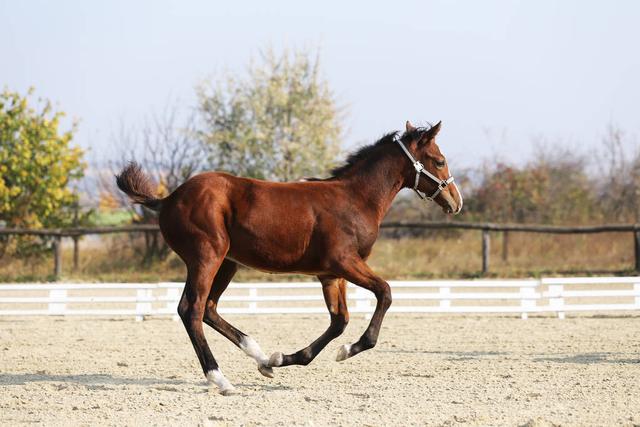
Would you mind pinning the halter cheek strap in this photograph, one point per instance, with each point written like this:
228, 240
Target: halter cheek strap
419, 167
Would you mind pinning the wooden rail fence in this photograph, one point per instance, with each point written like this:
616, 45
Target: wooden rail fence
484, 228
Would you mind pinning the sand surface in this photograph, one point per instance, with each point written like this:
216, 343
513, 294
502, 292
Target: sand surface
426, 370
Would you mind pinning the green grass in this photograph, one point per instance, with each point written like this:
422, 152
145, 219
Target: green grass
111, 218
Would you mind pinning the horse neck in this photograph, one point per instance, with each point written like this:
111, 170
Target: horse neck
378, 182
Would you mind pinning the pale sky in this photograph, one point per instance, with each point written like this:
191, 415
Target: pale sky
499, 74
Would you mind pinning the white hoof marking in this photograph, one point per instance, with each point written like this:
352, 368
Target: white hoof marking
216, 378
253, 350
343, 352
276, 359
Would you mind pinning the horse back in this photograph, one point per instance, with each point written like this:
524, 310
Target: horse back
269, 226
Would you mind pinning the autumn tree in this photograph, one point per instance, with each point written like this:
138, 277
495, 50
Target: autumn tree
278, 122
553, 189
166, 146
38, 165
617, 180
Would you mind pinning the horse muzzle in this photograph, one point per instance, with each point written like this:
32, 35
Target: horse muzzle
452, 205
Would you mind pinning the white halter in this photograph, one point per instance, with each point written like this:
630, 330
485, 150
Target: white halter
419, 167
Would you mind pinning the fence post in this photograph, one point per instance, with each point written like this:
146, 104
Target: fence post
636, 246
363, 303
76, 238
143, 303
505, 246
76, 252
528, 300
556, 301
445, 300
58, 304
173, 298
57, 257
485, 250
253, 305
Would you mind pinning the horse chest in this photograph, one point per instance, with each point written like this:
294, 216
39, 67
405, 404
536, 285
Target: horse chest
366, 244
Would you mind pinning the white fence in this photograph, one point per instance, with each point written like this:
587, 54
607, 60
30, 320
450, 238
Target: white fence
548, 295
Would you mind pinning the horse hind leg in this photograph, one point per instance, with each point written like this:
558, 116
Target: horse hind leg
191, 310
334, 291
212, 318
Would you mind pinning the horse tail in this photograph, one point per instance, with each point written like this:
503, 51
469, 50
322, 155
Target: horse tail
137, 185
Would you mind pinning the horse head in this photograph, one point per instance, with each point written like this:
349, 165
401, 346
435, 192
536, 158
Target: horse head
432, 179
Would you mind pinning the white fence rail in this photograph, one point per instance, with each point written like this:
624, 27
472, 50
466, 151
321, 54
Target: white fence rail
548, 295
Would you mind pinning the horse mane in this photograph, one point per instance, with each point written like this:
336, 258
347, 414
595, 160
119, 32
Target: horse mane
370, 150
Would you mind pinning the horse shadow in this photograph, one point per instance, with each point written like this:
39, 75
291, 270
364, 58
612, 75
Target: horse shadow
108, 382
581, 358
452, 355
88, 380
587, 359
263, 387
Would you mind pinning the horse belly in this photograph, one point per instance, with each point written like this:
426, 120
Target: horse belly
274, 246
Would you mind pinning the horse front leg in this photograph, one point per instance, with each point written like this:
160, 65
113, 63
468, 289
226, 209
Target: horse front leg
334, 291
359, 273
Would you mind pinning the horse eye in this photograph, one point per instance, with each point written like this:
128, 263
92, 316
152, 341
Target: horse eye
440, 164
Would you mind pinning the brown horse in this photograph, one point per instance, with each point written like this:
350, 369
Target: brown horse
326, 228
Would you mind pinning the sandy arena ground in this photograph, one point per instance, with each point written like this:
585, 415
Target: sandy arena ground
426, 370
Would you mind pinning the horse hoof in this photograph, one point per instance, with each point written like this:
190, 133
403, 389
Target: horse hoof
343, 352
216, 379
276, 359
267, 371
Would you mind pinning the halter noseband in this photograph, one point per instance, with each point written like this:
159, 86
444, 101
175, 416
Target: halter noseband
419, 167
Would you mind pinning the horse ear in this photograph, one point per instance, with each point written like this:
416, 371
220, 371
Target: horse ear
432, 132
409, 126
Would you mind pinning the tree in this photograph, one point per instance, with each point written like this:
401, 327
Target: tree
547, 190
166, 146
38, 164
618, 177
280, 122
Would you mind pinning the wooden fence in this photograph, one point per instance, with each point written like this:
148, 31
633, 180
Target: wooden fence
520, 297
484, 228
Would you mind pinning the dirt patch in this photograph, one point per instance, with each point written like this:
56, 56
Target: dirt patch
435, 370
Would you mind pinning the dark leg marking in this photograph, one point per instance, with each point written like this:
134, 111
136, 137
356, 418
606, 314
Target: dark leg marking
211, 317
334, 291
358, 272
191, 310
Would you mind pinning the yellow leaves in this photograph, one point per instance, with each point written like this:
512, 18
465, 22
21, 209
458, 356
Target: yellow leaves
37, 162
57, 194
107, 202
162, 189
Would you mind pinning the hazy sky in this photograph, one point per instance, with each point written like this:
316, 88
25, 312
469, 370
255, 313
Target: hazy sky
499, 74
